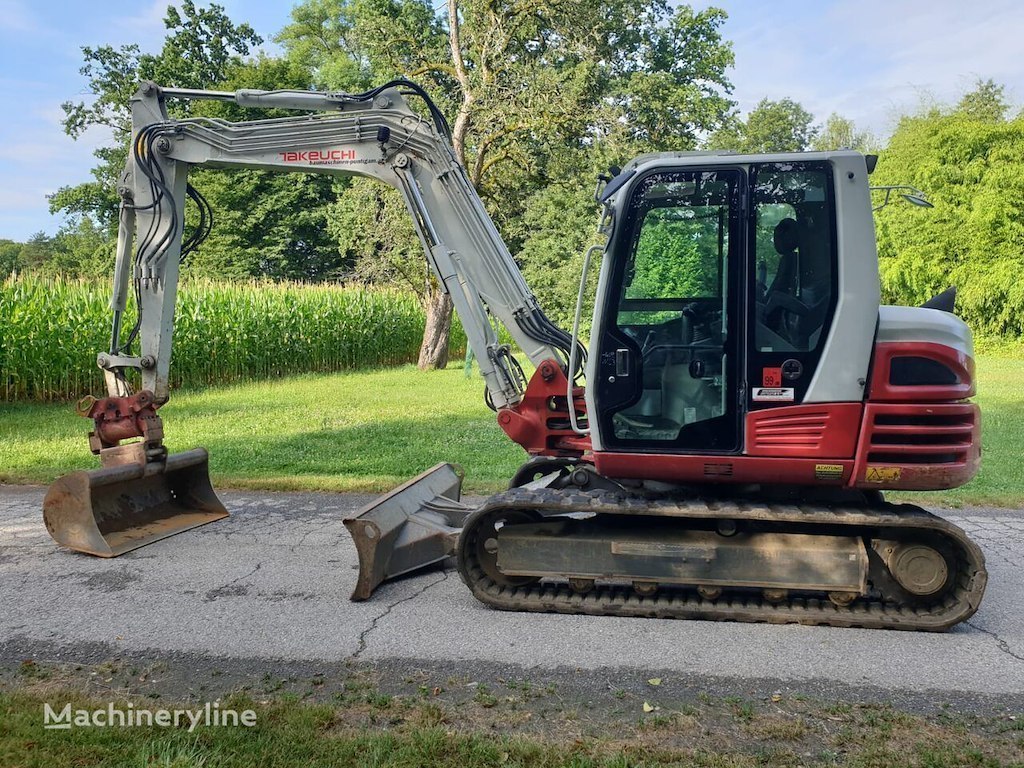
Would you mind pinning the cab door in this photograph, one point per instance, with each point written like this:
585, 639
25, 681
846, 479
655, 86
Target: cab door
794, 280
670, 342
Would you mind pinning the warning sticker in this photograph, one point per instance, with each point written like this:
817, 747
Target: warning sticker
828, 471
771, 377
883, 474
772, 394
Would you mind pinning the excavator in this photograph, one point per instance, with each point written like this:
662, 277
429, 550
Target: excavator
720, 448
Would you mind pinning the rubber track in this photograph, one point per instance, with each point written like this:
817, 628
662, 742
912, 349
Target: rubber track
956, 605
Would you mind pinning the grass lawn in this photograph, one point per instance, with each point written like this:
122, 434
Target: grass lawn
371, 430
365, 431
371, 728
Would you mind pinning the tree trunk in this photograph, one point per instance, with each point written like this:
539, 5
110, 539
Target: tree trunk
434, 350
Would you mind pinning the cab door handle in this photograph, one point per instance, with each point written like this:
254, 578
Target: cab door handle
622, 362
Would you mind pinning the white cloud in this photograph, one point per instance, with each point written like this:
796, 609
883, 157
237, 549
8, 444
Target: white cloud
941, 48
874, 59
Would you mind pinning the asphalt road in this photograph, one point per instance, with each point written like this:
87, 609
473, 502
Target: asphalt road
272, 583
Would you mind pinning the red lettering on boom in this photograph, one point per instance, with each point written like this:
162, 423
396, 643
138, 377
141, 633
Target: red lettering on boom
318, 155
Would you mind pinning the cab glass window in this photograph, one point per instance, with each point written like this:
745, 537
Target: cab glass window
794, 256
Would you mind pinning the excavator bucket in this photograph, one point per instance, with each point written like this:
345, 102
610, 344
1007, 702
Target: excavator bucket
116, 509
414, 526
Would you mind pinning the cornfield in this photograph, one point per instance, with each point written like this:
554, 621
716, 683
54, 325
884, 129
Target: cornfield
51, 330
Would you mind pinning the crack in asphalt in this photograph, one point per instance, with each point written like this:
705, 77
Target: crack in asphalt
213, 594
1000, 643
302, 540
391, 606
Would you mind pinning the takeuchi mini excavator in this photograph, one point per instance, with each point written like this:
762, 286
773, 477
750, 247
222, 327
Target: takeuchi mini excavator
746, 402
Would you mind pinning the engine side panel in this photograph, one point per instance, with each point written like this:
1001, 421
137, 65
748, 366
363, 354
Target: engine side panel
919, 432
823, 431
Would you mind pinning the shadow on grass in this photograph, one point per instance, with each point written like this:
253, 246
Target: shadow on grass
370, 457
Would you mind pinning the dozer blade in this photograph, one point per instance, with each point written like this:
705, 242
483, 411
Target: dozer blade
414, 526
116, 509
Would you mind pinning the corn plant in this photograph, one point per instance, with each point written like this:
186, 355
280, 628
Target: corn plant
52, 328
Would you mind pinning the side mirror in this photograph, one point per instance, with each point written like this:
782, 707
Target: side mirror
910, 194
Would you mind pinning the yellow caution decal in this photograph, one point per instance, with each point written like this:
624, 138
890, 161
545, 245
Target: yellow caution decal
883, 475
828, 471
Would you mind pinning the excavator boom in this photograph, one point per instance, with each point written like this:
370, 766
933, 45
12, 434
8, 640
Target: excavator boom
141, 495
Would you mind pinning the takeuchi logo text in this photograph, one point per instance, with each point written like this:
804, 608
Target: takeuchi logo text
319, 156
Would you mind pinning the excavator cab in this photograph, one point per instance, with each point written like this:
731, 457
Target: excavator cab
718, 277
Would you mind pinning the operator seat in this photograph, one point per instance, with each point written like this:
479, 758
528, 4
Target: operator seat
786, 240
798, 299
772, 300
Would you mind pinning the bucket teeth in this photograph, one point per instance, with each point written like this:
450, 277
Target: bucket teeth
414, 526
116, 509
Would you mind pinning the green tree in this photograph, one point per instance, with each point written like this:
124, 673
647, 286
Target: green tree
772, 126
81, 248
200, 46
986, 103
562, 222
265, 223
374, 231
11, 258
37, 251
841, 133
969, 162
524, 84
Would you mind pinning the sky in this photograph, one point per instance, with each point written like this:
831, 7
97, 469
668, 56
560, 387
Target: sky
869, 60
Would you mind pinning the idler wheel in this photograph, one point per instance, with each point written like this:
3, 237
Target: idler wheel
485, 545
917, 568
